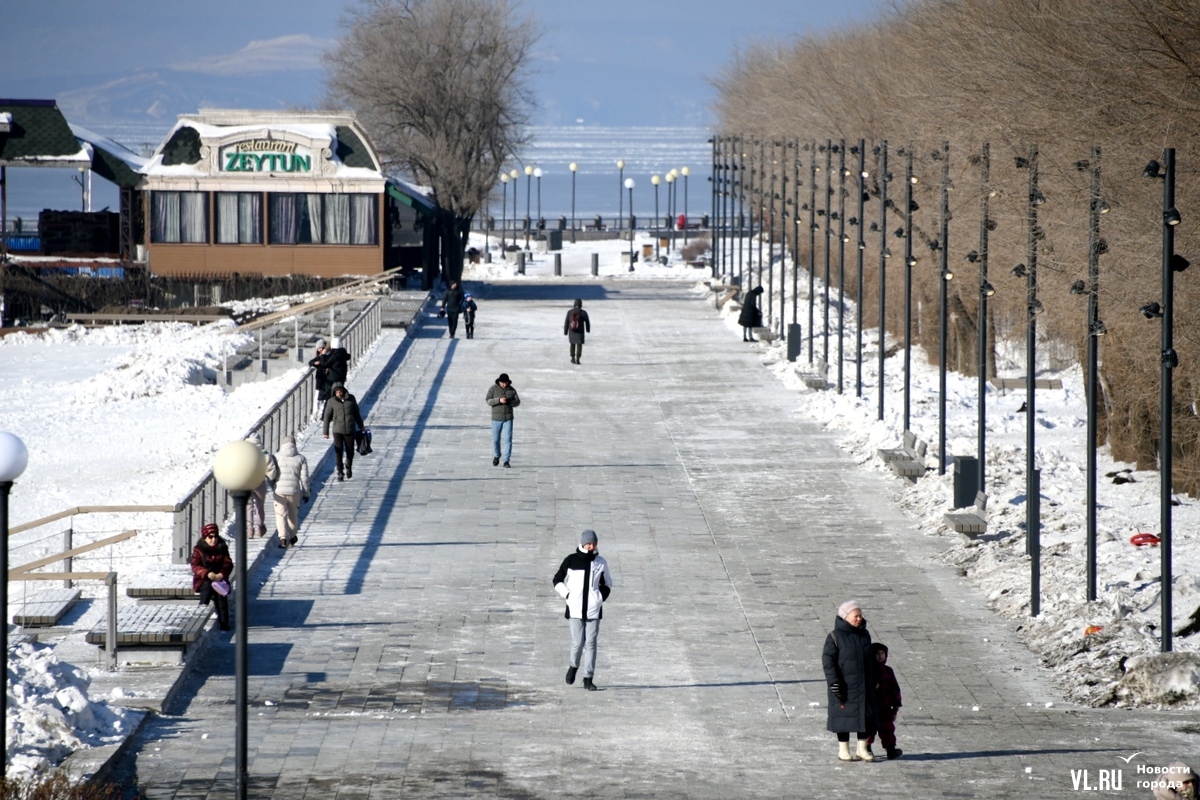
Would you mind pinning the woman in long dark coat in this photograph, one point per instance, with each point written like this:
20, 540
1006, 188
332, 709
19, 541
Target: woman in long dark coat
751, 316
850, 674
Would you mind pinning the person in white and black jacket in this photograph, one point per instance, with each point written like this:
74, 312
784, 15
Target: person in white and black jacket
584, 581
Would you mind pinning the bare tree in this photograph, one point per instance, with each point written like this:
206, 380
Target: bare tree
442, 87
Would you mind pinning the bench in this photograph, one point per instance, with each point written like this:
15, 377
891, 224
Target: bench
908, 460
971, 522
157, 632
167, 582
817, 376
43, 608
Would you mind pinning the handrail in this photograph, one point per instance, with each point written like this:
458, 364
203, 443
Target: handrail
74, 551
110, 580
70, 512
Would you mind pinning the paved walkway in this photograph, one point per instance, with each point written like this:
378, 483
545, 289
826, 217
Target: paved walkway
412, 645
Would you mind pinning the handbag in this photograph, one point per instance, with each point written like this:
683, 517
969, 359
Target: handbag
221, 588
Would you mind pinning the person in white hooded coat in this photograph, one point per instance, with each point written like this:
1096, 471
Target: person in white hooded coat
584, 581
291, 489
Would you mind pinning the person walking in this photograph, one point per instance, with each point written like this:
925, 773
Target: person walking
503, 398
211, 565
343, 417
575, 326
851, 675
469, 308
256, 509
452, 304
585, 582
321, 371
291, 489
751, 316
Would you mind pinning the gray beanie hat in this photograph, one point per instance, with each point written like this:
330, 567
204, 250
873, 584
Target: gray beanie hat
587, 537
845, 608
321, 344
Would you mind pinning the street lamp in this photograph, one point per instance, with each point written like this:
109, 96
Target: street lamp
621, 197
504, 212
537, 173
1033, 306
671, 209
884, 178
654, 179
843, 173
811, 208
573, 167
528, 196
985, 291
13, 460
629, 184
239, 468
513, 175
944, 245
861, 151
685, 172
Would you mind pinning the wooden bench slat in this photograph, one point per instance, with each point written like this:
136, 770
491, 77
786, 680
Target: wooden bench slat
45, 608
150, 625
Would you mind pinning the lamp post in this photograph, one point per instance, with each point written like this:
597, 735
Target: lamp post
13, 460
842, 239
862, 246
944, 245
685, 172
812, 242
671, 211
574, 168
985, 291
503, 213
796, 238
528, 196
629, 184
771, 233
537, 173
828, 253
513, 175
909, 262
1171, 263
884, 178
1033, 306
239, 468
1095, 329
621, 197
654, 179
740, 166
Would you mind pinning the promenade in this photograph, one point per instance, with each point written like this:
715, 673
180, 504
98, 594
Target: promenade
412, 645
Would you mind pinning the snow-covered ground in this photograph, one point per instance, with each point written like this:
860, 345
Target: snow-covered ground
128, 416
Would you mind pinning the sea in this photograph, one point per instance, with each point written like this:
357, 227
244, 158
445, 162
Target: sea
598, 186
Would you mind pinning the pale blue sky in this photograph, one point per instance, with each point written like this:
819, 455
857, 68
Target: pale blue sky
612, 62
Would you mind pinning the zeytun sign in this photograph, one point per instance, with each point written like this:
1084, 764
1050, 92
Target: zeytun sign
264, 155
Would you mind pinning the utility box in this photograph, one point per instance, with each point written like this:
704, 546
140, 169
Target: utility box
553, 240
966, 481
795, 341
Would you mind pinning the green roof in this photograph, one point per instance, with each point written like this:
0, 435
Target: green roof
351, 150
39, 133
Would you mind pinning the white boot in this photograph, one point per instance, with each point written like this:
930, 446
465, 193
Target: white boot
844, 752
863, 752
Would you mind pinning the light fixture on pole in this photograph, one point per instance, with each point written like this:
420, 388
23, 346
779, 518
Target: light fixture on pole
620, 197
503, 213
239, 468
13, 460
629, 184
685, 172
573, 167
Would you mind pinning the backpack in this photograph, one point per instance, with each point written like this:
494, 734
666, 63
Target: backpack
575, 320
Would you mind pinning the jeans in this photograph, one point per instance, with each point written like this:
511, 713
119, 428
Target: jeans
583, 641
502, 429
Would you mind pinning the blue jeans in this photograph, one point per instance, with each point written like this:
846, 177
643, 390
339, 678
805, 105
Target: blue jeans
502, 429
583, 642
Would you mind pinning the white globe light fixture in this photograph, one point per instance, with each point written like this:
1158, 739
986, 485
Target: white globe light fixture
14, 458
240, 466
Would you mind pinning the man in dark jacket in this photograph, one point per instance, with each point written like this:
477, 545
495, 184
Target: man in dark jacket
574, 328
502, 397
452, 304
331, 365
584, 581
342, 415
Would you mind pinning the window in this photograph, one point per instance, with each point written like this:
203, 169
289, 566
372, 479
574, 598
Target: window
322, 219
179, 217
239, 218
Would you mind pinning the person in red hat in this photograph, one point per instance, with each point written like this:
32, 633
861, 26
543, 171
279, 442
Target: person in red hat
211, 565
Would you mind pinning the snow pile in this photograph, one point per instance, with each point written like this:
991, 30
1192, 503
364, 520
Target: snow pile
50, 715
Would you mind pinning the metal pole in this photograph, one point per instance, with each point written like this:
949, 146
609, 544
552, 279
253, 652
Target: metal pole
1093, 336
631, 229
1034, 536
654, 225
761, 208
908, 267
528, 197
743, 266
503, 216
942, 304
686, 172
770, 234
1031, 520
812, 244
621, 197
573, 205
1169, 360
985, 193
5, 487
841, 260
241, 651
796, 235
862, 246
883, 254
783, 239
828, 233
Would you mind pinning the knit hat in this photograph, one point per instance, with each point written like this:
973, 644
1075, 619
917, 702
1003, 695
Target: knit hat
845, 608
209, 528
503, 378
289, 439
322, 344
587, 537
336, 342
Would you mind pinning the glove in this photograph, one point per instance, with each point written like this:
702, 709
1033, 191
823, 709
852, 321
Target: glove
838, 690
304, 499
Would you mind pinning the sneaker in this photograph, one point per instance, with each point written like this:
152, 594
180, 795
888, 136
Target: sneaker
571, 674
894, 752
507, 465
496, 462
349, 473
294, 540
587, 684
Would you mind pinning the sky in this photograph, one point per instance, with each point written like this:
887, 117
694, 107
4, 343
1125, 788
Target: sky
616, 62
67, 384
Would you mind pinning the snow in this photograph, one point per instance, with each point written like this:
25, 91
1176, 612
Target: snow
143, 400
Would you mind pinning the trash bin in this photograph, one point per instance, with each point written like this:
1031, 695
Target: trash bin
966, 481
553, 239
647, 250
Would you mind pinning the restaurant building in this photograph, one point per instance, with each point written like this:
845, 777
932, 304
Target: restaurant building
279, 193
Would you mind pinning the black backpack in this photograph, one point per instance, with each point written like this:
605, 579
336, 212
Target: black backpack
575, 320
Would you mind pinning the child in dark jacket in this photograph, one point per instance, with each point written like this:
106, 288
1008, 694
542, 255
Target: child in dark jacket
887, 699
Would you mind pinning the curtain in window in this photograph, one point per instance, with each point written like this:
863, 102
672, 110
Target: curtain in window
337, 219
283, 219
164, 226
193, 221
362, 217
227, 218
250, 218
314, 219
